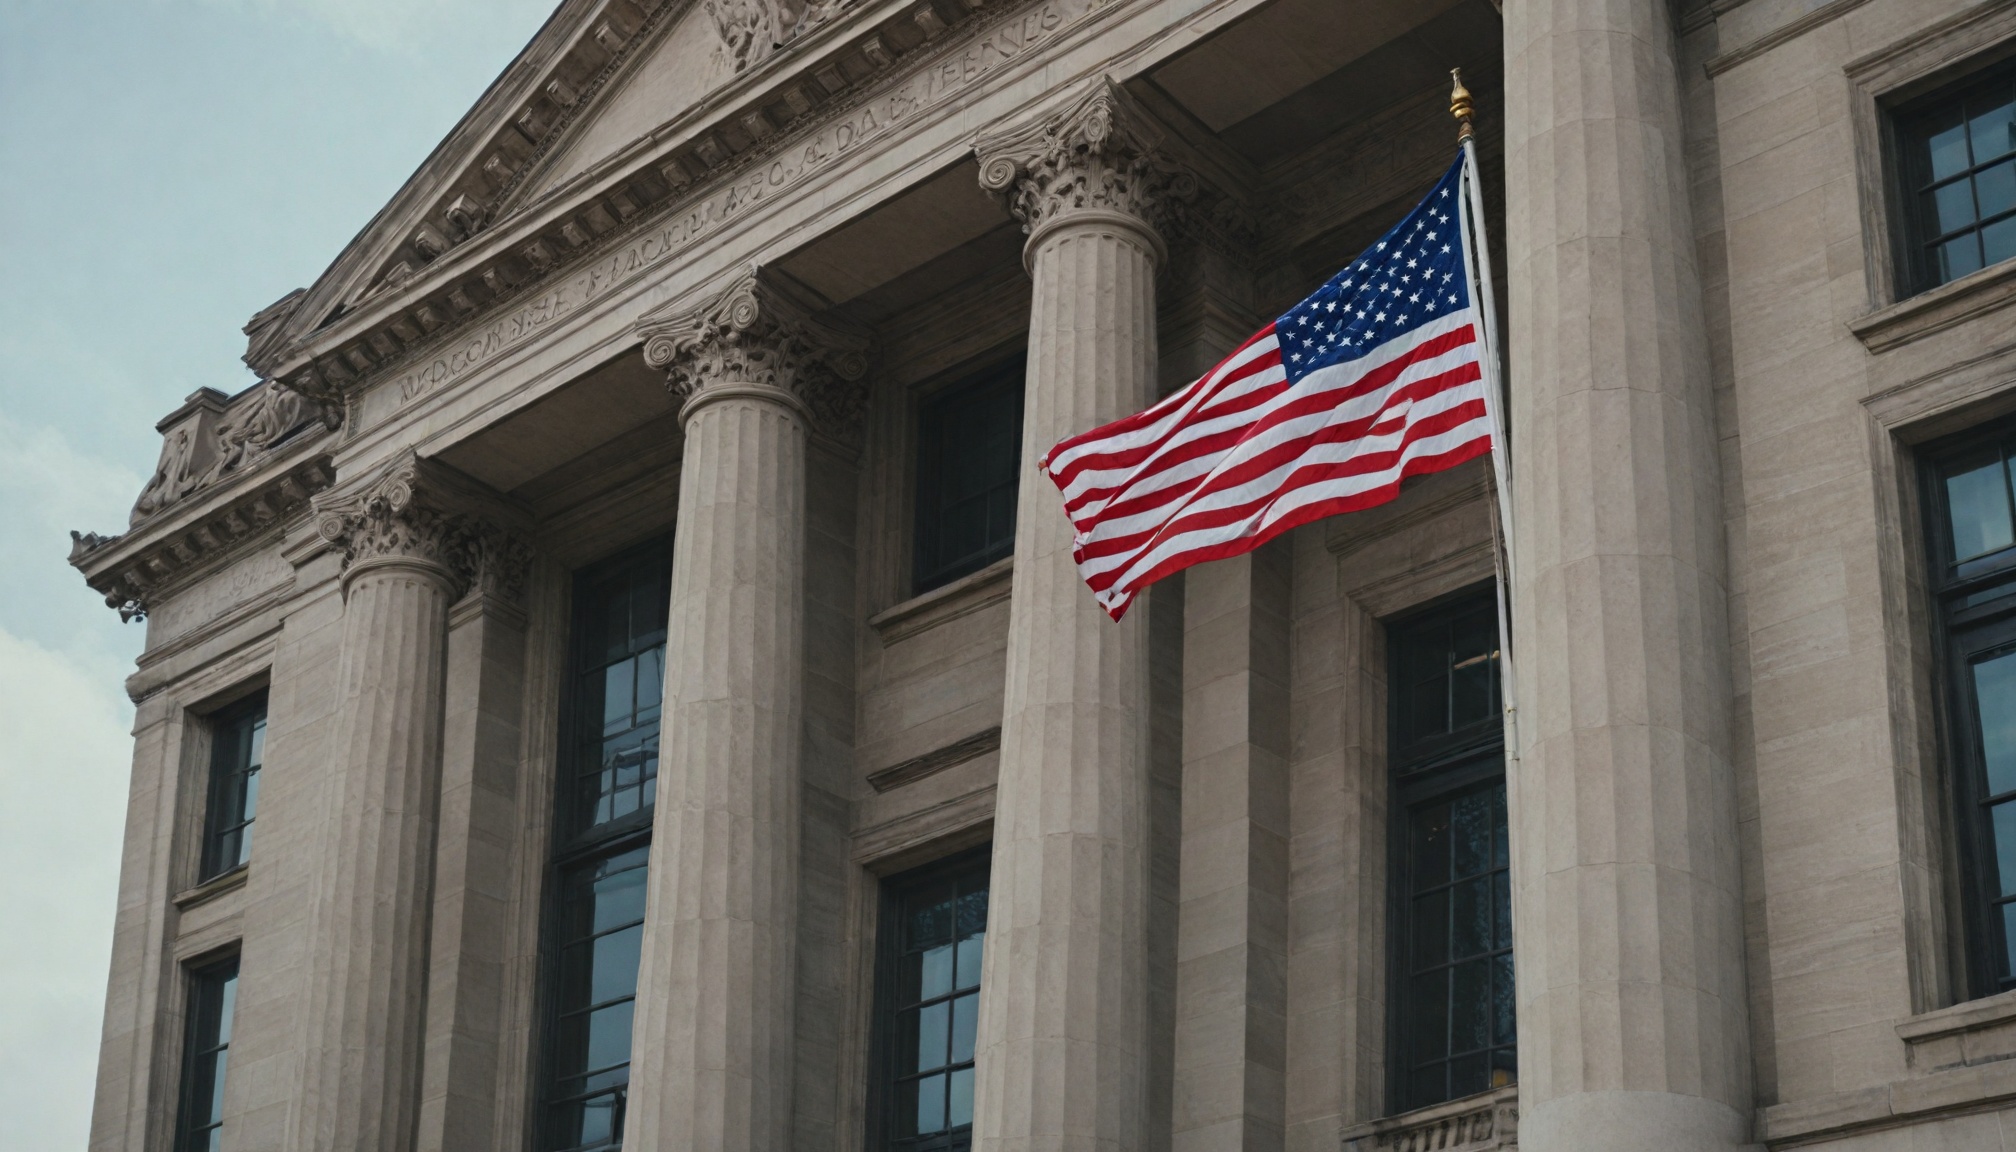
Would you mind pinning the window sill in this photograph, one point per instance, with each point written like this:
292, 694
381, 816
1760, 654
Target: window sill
1471, 1124
962, 597
1976, 1032
1975, 294
212, 888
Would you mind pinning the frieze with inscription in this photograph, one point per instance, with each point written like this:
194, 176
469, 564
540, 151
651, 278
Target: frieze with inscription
213, 596
928, 88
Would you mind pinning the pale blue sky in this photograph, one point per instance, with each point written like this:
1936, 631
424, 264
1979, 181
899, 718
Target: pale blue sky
167, 168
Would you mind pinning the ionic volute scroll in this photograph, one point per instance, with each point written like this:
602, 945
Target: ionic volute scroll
422, 515
763, 332
1099, 153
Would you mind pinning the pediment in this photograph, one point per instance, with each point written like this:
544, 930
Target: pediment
674, 72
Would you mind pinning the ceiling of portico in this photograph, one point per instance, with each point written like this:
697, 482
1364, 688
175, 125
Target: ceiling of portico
1298, 71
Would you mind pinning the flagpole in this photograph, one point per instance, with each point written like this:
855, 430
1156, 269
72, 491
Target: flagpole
1479, 271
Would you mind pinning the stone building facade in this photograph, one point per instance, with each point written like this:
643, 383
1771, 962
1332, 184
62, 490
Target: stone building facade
619, 677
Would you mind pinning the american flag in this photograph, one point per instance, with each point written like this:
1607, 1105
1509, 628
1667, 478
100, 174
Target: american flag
1376, 377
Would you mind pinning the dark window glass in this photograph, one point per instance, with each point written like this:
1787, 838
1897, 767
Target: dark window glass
934, 928
237, 748
1452, 903
969, 448
1960, 174
1974, 576
213, 994
609, 785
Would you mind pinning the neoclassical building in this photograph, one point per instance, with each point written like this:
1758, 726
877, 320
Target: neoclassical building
619, 678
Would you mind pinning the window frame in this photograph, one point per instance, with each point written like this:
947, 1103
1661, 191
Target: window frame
885, 1009
572, 848
199, 980
1912, 237
1439, 769
1963, 630
220, 776
1007, 371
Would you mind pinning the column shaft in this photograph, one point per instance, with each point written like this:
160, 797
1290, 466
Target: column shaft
367, 950
1626, 890
713, 1048
1062, 1031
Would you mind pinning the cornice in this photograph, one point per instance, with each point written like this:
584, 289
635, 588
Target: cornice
818, 81
193, 538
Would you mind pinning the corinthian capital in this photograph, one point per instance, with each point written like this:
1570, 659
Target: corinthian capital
762, 331
428, 516
1098, 153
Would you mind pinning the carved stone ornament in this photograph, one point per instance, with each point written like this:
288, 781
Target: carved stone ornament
751, 30
409, 511
762, 330
210, 439
1097, 153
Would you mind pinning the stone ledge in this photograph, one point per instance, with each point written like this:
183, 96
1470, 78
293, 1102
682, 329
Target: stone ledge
1487, 1120
962, 597
935, 761
1952, 1092
1975, 294
212, 888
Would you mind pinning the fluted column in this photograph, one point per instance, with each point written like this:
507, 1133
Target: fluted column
1061, 1050
713, 1045
1627, 912
406, 560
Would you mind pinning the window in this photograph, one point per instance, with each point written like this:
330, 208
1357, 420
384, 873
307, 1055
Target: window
1959, 174
934, 926
1452, 903
609, 780
213, 994
1973, 574
237, 748
969, 449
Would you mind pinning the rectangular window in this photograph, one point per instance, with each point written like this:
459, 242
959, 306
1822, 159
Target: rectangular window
1959, 176
609, 784
934, 928
1973, 516
213, 994
1451, 920
969, 451
237, 748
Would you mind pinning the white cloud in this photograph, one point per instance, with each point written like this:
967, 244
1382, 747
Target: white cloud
64, 756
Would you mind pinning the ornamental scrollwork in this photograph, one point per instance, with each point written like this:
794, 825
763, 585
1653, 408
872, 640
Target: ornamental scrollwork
1101, 152
401, 513
762, 330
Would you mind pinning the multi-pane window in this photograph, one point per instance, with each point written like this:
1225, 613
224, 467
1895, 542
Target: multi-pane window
969, 446
1973, 569
1960, 176
1452, 993
609, 782
237, 748
934, 927
213, 994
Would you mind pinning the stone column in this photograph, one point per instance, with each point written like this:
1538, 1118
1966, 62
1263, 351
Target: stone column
1063, 1018
406, 559
1626, 900
714, 1040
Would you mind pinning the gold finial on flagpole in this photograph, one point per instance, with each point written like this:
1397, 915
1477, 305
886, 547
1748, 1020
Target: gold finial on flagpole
1460, 107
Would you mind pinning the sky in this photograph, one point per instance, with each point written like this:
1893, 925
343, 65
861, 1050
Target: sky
167, 168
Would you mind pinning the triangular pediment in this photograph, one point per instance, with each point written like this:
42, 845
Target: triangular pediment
668, 75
